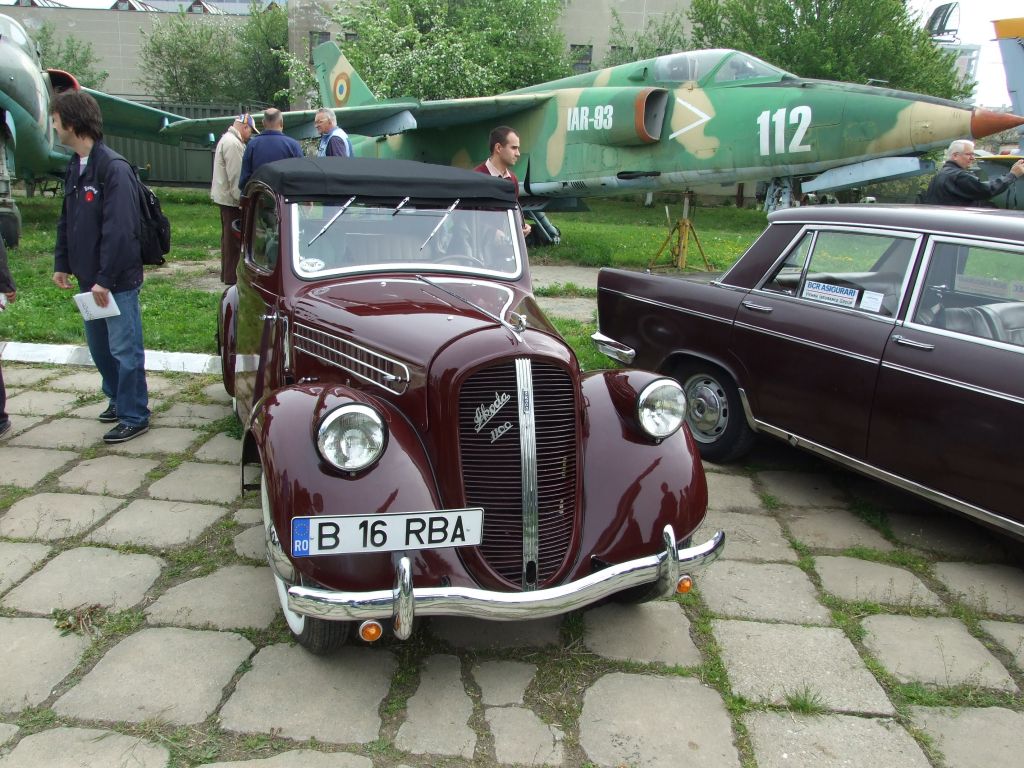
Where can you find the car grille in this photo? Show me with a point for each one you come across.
(494, 452)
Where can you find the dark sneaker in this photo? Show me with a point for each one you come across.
(109, 416)
(5, 427)
(124, 432)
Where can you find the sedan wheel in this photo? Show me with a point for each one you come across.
(714, 413)
(315, 635)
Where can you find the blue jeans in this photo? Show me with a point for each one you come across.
(115, 344)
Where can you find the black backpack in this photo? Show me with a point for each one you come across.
(154, 226)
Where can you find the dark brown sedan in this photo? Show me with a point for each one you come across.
(887, 338)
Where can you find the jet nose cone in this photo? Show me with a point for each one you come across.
(985, 122)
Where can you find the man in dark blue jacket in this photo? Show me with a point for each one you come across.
(98, 243)
(269, 146)
(955, 185)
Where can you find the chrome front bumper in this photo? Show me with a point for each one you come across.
(403, 602)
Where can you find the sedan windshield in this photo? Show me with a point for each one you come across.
(335, 239)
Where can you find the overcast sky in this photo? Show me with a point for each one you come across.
(976, 19)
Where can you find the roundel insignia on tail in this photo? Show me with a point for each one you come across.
(342, 88)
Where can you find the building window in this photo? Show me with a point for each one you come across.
(316, 37)
(582, 57)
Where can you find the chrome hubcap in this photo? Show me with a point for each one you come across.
(708, 410)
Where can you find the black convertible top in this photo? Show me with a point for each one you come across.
(329, 178)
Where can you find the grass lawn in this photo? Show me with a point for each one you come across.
(177, 318)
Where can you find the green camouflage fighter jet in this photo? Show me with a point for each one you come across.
(669, 123)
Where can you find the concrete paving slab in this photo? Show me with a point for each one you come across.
(41, 402)
(232, 597)
(1010, 635)
(635, 720)
(153, 523)
(216, 393)
(247, 516)
(161, 385)
(88, 382)
(503, 682)
(770, 591)
(802, 489)
(727, 491)
(935, 651)
(85, 748)
(16, 376)
(833, 529)
(86, 576)
(222, 448)
(437, 715)
(159, 440)
(522, 738)
(24, 467)
(302, 758)
(301, 696)
(987, 588)
(66, 434)
(54, 516)
(939, 531)
(151, 675)
(252, 543)
(478, 634)
(658, 631)
(108, 475)
(956, 732)
(768, 662)
(789, 740)
(16, 560)
(36, 657)
(7, 732)
(750, 536)
(192, 481)
(191, 415)
(92, 411)
(851, 579)
(20, 424)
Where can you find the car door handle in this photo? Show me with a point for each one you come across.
(757, 307)
(910, 343)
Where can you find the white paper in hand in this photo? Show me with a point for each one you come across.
(91, 310)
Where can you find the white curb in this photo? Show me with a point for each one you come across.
(69, 354)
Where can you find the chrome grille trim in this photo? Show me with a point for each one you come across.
(363, 363)
(528, 451)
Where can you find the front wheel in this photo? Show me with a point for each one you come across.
(315, 635)
(714, 412)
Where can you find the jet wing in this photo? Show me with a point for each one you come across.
(447, 112)
(133, 120)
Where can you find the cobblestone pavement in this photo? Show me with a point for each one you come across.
(846, 625)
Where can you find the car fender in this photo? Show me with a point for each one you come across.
(633, 485)
(300, 483)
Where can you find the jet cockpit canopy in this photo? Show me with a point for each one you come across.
(717, 65)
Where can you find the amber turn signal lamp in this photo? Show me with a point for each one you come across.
(370, 631)
(684, 585)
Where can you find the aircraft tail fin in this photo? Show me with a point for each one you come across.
(340, 84)
(1010, 33)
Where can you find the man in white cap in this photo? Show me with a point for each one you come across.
(227, 167)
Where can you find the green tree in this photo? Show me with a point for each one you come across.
(663, 34)
(71, 55)
(437, 49)
(854, 41)
(260, 74)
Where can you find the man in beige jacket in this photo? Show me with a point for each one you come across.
(227, 167)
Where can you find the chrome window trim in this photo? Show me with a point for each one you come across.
(528, 455)
(942, 499)
(813, 345)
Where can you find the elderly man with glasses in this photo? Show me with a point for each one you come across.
(955, 185)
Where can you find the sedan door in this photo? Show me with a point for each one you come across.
(812, 335)
(949, 412)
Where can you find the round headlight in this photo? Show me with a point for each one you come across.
(351, 437)
(661, 408)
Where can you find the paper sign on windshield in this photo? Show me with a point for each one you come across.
(831, 294)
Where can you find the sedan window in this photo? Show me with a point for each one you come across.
(855, 270)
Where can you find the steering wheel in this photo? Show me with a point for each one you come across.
(461, 258)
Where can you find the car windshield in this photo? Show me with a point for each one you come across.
(352, 236)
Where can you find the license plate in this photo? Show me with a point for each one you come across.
(347, 534)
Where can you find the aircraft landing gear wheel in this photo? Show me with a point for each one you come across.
(317, 636)
(10, 227)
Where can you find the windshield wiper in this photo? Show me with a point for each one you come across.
(399, 206)
(442, 221)
(518, 328)
(334, 218)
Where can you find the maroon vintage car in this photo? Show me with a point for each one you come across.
(887, 338)
(428, 444)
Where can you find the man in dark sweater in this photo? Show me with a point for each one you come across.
(269, 146)
(504, 145)
(955, 185)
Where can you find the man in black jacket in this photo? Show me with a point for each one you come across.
(955, 185)
(98, 243)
